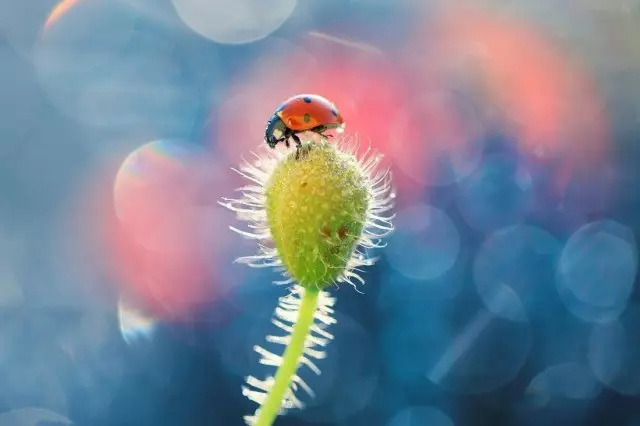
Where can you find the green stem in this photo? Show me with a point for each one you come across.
(290, 359)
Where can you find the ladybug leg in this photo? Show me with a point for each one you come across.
(277, 141)
(320, 131)
(297, 140)
(285, 137)
(298, 144)
(323, 136)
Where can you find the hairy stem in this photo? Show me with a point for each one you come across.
(290, 360)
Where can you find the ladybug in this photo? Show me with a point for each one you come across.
(302, 113)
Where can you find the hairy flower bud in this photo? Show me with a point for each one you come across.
(316, 209)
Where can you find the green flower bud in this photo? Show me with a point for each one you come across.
(316, 209)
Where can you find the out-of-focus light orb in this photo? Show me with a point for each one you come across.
(600, 269)
(420, 416)
(32, 417)
(437, 137)
(170, 227)
(589, 313)
(426, 243)
(523, 258)
(238, 22)
(143, 89)
(495, 195)
(598, 266)
(59, 10)
(133, 322)
(553, 110)
(83, 34)
(151, 176)
(570, 380)
(456, 347)
(614, 350)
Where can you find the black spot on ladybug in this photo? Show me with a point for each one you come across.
(307, 118)
(307, 99)
(334, 112)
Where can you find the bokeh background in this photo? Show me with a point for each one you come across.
(507, 296)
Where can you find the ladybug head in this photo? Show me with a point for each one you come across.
(274, 132)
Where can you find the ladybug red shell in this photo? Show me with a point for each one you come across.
(302, 113)
(305, 112)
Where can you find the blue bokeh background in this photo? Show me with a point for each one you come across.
(507, 295)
